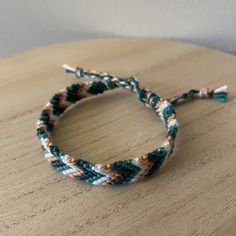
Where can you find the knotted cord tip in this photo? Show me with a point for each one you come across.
(68, 69)
(220, 94)
(74, 70)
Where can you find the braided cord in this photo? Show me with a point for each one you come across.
(119, 172)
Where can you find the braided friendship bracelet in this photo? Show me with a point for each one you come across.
(119, 172)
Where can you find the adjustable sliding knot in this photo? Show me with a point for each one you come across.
(141, 92)
(111, 82)
(119, 172)
(133, 83)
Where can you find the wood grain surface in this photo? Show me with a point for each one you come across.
(194, 194)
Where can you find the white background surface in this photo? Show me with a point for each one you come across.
(26, 24)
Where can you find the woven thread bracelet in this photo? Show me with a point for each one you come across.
(119, 172)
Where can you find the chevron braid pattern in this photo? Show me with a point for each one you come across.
(119, 172)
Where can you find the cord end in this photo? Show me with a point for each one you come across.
(69, 69)
(220, 94)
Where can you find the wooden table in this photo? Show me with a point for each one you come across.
(194, 194)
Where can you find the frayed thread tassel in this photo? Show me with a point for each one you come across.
(220, 94)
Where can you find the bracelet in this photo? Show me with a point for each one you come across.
(119, 172)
